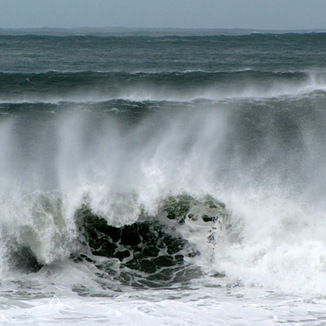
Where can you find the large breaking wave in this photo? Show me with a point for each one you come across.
(157, 193)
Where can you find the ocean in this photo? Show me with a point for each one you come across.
(162, 178)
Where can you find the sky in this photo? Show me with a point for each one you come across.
(250, 14)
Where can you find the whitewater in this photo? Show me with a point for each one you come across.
(169, 179)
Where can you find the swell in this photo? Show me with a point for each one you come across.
(92, 86)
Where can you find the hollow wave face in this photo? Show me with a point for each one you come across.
(157, 193)
(152, 251)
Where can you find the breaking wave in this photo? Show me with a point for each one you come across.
(151, 251)
(159, 194)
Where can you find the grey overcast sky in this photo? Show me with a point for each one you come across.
(252, 14)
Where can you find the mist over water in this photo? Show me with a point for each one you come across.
(264, 161)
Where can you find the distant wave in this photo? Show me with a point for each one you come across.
(82, 87)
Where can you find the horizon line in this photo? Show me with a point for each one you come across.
(124, 29)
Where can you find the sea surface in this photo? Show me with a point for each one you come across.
(163, 179)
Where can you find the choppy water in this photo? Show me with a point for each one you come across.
(168, 179)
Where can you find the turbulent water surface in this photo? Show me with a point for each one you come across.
(163, 179)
